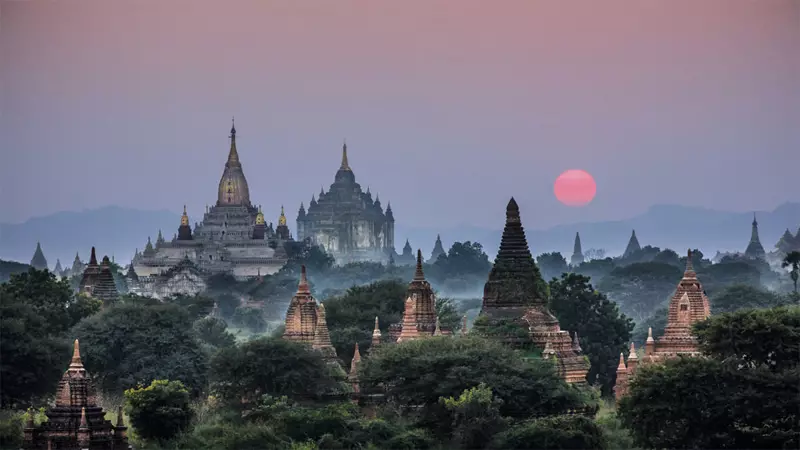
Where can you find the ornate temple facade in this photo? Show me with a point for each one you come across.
(232, 238)
(347, 222)
(514, 308)
(687, 306)
(76, 422)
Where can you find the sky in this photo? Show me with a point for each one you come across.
(449, 108)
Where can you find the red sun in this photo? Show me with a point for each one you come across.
(575, 188)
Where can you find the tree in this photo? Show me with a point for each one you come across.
(560, 432)
(249, 318)
(594, 253)
(196, 306)
(352, 315)
(159, 411)
(448, 314)
(125, 346)
(603, 331)
(716, 277)
(304, 252)
(670, 257)
(417, 373)
(463, 258)
(657, 322)
(596, 269)
(743, 296)
(753, 338)
(704, 403)
(36, 311)
(640, 288)
(552, 265)
(476, 416)
(792, 260)
(270, 366)
(213, 333)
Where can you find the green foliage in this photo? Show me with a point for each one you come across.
(8, 268)
(270, 366)
(196, 306)
(129, 345)
(742, 296)
(617, 436)
(753, 338)
(509, 330)
(717, 277)
(792, 261)
(476, 417)
(12, 424)
(249, 318)
(603, 331)
(463, 258)
(305, 253)
(552, 265)
(640, 288)
(596, 269)
(36, 311)
(560, 432)
(417, 373)
(447, 312)
(213, 333)
(703, 403)
(657, 321)
(351, 317)
(159, 411)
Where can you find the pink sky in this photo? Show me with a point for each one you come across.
(448, 107)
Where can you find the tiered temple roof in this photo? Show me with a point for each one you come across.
(76, 422)
(105, 289)
(90, 276)
(754, 248)
(39, 261)
(301, 318)
(687, 306)
(515, 308)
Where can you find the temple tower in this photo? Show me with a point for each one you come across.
(38, 261)
(105, 288)
(90, 275)
(301, 318)
(352, 376)
(58, 270)
(76, 421)
(408, 330)
(633, 245)
(754, 248)
(233, 189)
(421, 293)
(282, 230)
(184, 230)
(438, 249)
(577, 252)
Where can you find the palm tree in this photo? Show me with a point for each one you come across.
(792, 260)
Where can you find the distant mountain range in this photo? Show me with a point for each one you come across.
(117, 232)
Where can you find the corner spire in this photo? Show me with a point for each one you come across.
(93, 257)
(376, 334)
(233, 155)
(76, 362)
(621, 367)
(302, 287)
(632, 353)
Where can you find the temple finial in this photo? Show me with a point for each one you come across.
(621, 366)
(76, 355)
(419, 275)
(93, 257)
(345, 165)
(302, 287)
(632, 352)
(650, 334)
(233, 154)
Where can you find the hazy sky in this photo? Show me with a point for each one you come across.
(448, 107)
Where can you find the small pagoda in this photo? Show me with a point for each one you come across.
(76, 422)
(514, 309)
(301, 318)
(419, 313)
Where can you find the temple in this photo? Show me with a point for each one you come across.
(419, 314)
(633, 245)
(232, 238)
(577, 252)
(514, 309)
(98, 280)
(754, 248)
(346, 222)
(438, 249)
(76, 422)
(687, 306)
(38, 261)
(788, 243)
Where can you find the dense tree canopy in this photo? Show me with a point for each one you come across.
(603, 331)
(552, 265)
(640, 288)
(743, 296)
(125, 346)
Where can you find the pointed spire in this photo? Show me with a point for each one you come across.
(84, 424)
(356, 359)
(621, 367)
(632, 353)
(93, 258)
(576, 344)
(38, 261)
(650, 334)
(464, 325)
(233, 154)
(689, 272)
(76, 362)
(282, 218)
(376, 334)
(345, 164)
(302, 287)
(419, 275)
(633, 245)
(438, 330)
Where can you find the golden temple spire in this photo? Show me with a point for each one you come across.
(260, 217)
(282, 218)
(184, 217)
(233, 155)
(345, 165)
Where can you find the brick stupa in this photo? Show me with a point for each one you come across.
(301, 318)
(514, 308)
(419, 315)
(76, 422)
